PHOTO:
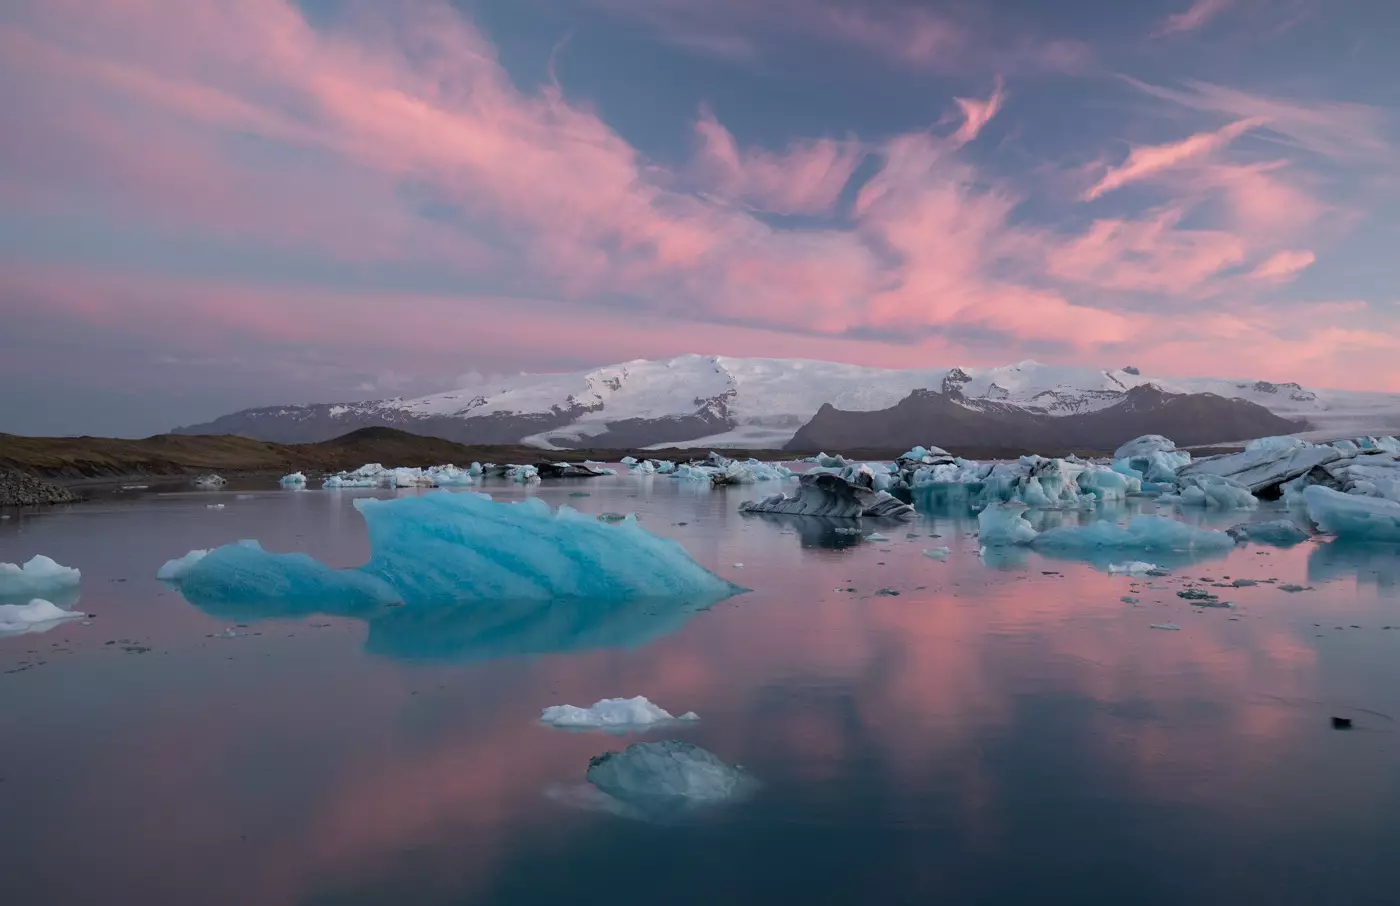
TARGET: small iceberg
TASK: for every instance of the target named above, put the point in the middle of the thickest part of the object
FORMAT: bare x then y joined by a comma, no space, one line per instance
1131,568
937,553
615,714
294,481
39,577
210,481
36,616
1004,524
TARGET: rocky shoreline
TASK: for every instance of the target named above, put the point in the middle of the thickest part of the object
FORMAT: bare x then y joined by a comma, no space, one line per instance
22,489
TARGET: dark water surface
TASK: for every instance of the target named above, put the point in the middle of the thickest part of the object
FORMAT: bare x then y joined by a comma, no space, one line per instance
1006,731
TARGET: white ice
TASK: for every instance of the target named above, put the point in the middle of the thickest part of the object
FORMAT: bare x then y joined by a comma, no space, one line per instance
1214,491
210,481
174,570
294,480
38,577
1131,568
612,714
36,616
938,553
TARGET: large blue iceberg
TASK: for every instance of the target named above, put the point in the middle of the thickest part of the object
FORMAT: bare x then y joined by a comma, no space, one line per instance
461,575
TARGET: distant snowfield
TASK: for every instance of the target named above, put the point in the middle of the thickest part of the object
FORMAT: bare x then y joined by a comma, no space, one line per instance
761,403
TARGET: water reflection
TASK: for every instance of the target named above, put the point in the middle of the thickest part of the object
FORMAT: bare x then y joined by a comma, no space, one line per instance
1370,563
821,531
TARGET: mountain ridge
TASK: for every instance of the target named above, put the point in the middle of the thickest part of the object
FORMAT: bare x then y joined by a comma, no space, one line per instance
727,402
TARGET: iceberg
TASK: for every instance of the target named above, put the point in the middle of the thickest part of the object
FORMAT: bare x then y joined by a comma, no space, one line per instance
937,553
1004,524
1353,517
295,480
612,714
39,577
1145,446
1278,532
1031,480
667,778
1132,568
444,547
523,474
210,481
825,494
36,616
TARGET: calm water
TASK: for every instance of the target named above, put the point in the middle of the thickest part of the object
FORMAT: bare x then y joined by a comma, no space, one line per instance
1003,732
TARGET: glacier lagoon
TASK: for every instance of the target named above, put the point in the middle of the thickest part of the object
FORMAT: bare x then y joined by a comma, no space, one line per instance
982,728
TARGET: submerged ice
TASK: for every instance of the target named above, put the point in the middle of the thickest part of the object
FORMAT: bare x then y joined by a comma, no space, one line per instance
658,778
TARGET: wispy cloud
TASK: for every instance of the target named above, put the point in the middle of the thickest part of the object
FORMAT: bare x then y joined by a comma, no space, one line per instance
1149,160
1284,265
1198,15
978,113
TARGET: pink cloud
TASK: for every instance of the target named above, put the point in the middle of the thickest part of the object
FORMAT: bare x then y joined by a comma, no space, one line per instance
805,179
1198,15
554,207
977,114
1149,160
1284,266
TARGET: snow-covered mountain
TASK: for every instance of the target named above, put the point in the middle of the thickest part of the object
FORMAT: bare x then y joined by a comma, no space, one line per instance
718,401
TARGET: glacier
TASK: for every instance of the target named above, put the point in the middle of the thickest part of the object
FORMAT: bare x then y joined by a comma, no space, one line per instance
38,577
446,547
615,714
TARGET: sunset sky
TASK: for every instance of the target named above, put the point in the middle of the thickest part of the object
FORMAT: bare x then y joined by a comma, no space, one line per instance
212,204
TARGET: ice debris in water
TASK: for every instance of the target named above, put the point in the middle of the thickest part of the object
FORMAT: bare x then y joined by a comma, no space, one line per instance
1170,627
174,570
210,481
294,480
36,616
445,547
1278,532
612,714
1353,517
1131,568
661,779
876,537
213,506
938,553
38,577
374,475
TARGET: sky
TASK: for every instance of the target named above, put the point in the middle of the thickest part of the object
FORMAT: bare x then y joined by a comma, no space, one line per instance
213,204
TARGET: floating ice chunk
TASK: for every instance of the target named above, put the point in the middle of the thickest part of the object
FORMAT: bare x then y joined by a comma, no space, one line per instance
938,553
1266,463
1215,491
662,779
452,547
628,461
214,506
1353,517
449,476
36,616
1279,532
174,570
523,474
612,714
1170,627
210,481
1107,484
876,537
1002,524
39,577
1131,568
1147,533
294,480
825,494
